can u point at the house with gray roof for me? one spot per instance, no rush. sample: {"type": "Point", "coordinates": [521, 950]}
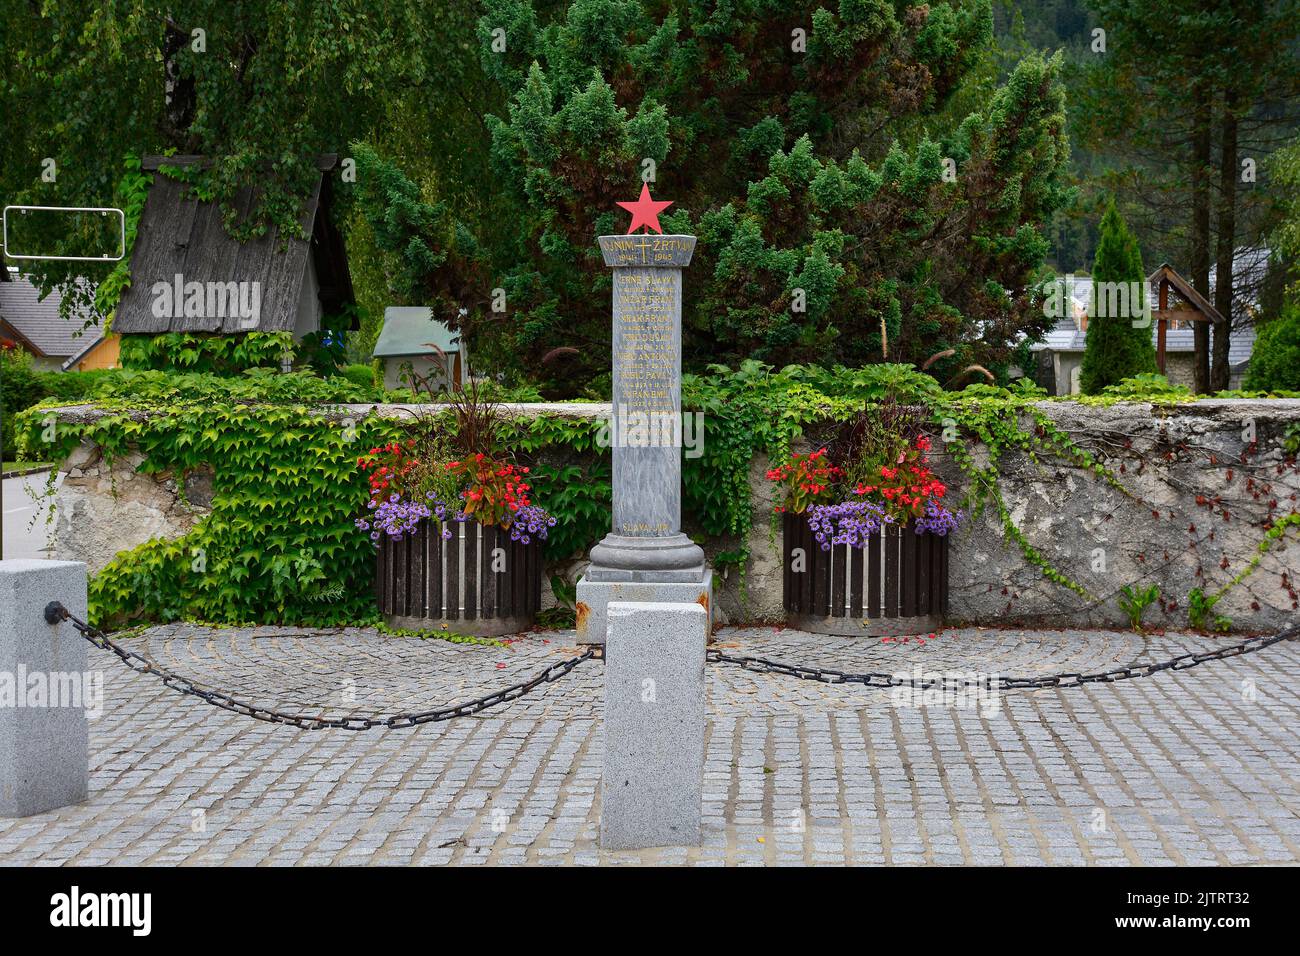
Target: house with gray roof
{"type": "Point", "coordinates": [413, 340]}
{"type": "Point", "coordinates": [1059, 356]}
{"type": "Point", "coordinates": [188, 274]}
{"type": "Point", "coordinates": [36, 325]}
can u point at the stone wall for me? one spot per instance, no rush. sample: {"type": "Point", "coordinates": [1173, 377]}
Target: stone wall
{"type": "Point", "coordinates": [105, 507]}
{"type": "Point", "coordinates": [1192, 517]}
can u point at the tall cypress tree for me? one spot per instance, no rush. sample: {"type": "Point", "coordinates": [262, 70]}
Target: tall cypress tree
{"type": "Point", "coordinates": [1116, 349]}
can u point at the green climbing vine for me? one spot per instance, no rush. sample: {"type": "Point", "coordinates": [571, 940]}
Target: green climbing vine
{"type": "Point", "coordinates": [1200, 605]}
{"type": "Point", "coordinates": [196, 352]}
{"type": "Point", "coordinates": [280, 545]}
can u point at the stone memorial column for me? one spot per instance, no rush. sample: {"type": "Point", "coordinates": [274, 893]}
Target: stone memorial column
{"type": "Point", "coordinates": [645, 557]}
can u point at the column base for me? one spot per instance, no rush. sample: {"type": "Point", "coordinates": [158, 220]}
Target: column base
{"type": "Point", "coordinates": [594, 597]}
{"type": "Point", "coordinates": [670, 559]}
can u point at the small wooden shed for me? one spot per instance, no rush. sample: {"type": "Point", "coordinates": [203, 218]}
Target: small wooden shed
{"type": "Point", "coordinates": [188, 274]}
{"type": "Point", "coordinates": [1193, 308]}
{"type": "Point", "coordinates": [413, 340]}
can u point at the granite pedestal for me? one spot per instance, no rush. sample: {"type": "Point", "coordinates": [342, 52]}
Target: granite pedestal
{"type": "Point", "coordinates": [44, 740]}
{"type": "Point", "coordinates": [652, 783]}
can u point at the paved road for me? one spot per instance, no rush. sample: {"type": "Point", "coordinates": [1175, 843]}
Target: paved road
{"type": "Point", "coordinates": [21, 503]}
{"type": "Point", "coordinates": [1188, 767]}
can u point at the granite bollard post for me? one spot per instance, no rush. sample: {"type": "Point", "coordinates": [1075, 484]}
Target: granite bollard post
{"type": "Point", "coordinates": [645, 557]}
{"type": "Point", "coordinates": [44, 689]}
{"type": "Point", "coordinates": [652, 783]}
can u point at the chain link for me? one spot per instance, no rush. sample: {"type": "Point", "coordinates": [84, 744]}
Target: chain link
{"type": "Point", "coordinates": [827, 675]}
{"type": "Point", "coordinates": [56, 612]}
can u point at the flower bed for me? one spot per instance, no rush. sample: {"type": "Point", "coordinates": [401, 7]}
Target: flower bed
{"type": "Point", "coordinates": [865, 542]}
{"type": "Point", "coordinates": [469, 577]}
{"type": "Point", "coordinates": [458, 538]}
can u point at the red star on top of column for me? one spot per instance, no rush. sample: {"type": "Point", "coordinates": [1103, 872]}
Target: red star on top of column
{"type": "Point", "coordinates": [645, 211]}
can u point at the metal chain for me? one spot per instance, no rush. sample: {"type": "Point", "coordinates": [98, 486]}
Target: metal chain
{"type": "Point", "coordinates": [56, 612]}
{"type": "Point", "coordinates": [827, 675]}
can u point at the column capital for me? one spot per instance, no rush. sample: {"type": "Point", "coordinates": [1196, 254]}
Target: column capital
{"type": "Point", "coordinates": [647, 251]}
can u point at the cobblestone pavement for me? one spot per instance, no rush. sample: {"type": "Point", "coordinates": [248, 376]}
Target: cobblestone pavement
{"type": "Point", "coordinates": [1190, 767]}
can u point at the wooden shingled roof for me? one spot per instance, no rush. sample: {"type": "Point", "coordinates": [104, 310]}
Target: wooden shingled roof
{"type": "Point", "coordinates": [1186, 290]}
{"type": "Point", "coordinates": [182, 236]}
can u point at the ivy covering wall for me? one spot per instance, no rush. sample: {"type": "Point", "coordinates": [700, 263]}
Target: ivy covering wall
{"type": "Point", "coordinates": [280, 544]}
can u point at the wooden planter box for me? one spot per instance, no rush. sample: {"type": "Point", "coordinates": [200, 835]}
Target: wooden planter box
{"type": "Point", "coordinates": [897, 585]}
{"type": "Point", "coordinates": [424, 581]}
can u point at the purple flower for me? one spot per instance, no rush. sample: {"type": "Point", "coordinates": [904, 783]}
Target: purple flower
{"type": "Point", "coordinates": [855, 522]}
{"type": "Point", "coordinates": [938, 519]}
{"type": "Point", "coordinates": [850, 522]}
{"type": "Point", "coordinates": [397, 518]}
{"type": "Point", "coordinates": [528, 522]}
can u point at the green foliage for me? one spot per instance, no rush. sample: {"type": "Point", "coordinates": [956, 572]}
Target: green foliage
{"type": "Point", "coordinates": [285, 497]}
{"type": "Point", "coordinates": [779, 164]}
{"type": "Point", "coordinates": [1284, 170]}
{"type": "Point", "coordinates": [1134, 601]}
{"type": "Point", "coordinates": [198, 352]}
{"type": "Point", "coordinates": [21, 386]}
{"type": "Point", "coordinates": [280, 544]}
{"type": "Point", "coordinates": [443, 633]}
{"type": "Point", "coordinates": [1146, 387]}
{"type": "Point", "coordinates": [362, 375]}
{"type": "Point", "coordinates": [158, 387]}
{"type": "Point", "coordinates": [570, 476]}
{"type": "Point", "coordinates": [1186, 92]}
{"type": "Point", "coordinates": [1200, 608]}
{"type": "Point", "coordinates": [269, 89]}
{"type": "Point", "coordinates": [1272, 536]}
{"type": "Point", "coordinates": [1291, 438]}
{"type": "Point", "coordinates": [1115, 349]}
{"type": "Point", "coordinates": [131, 193]}
{"type": "Point", "coordinates": [1275, 358]}
{"type": "Point", "coordinates": [564, 614]}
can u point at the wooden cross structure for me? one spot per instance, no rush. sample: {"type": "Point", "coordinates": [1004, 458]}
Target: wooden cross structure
{"type": "Point", "coordinates": [1195, 308]}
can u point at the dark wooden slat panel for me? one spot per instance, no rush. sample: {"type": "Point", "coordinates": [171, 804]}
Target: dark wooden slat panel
{"type": "Point", "coordinates": [502, 578]}
{"type": "Point", "coordinates": [937, 585]}
{"type": "Point", "coordinates": [400, 579]}
{"type": "Point", "coordinates": [924, 550]}
{"type": "Point", "coordinates": [809, 572]}
{"type": "Point", "coordinates": [418, 568]}
{"type": "Point", "coordinates": [537, 577]}
{"type": "Point", "coordinates": [857, 562]}
{"type": "Point", "coordinates": [381, 574]}
{"type": "Point", "coordinates": [840, 570]}
{"type": "Point", "coordinates": [875, 551]}
{"type": "Point", "coordinates": [788, 544]}
{"type": "Point", "coordinates": [891, 572]}
{"type": "Point", "coordinates": [517, 578]}
{"type": "Point", "coordinates": [451, 609]}
{"type": "Point", "coordinates": [487, 580]}
{"type": "Point", "coordinates": [821, 582]}
{"type": "Point", "coordinates": [471, 571]}
{"type": "Point", "coordinates": [943, 575]}
{"type": "Point", "coordinates": [434, 588]}
{"type": "Point", "coordinates": [390, 585]}
{"type": "Point", "coordinates": [907, 573]}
